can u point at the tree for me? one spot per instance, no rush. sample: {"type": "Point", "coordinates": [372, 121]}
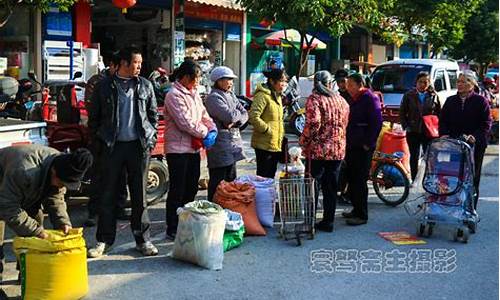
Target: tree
{"type": "Point", "coordinates": [309, 16]}
{"type": "Point", "coordinates": [480, 43]}
{"type": "Point", "coordinates": [440, 22]}
{"type": "Point", "coordinates": [7, 7]}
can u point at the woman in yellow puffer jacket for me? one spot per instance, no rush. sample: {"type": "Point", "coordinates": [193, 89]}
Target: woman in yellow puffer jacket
{"type": "Point", "coordinates": [266, 116]}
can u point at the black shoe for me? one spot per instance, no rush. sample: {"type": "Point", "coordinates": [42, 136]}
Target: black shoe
{"type": "Point", "coordinates": [324, 226]}
{"type": "Point", "coordinates": [348, 214]}
{"type": "Point", "coordinates": [124, 214]}
{"type": "Point", "coordinates": [356, 221]}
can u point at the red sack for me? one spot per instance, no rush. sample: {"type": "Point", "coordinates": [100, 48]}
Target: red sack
{"type": "Point", "coordinates": [240, 198]}
{"type": "Point", "coordinates": [431, 126]}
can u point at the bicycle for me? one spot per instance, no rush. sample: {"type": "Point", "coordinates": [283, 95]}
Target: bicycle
{"type": "Point", "coordinates": [391, 180]}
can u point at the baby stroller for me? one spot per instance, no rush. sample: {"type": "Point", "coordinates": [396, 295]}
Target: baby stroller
{"type": "Point", "coordinates": [448, 189]}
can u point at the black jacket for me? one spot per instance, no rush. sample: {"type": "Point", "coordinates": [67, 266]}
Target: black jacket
{"type": "Point", "coordinates": [412, 110]}
{"type": "Point", "coordinates": [104, 117]}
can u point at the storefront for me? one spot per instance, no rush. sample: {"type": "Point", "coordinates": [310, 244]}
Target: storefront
{"type": "Point", "coordinates": [211, 34]}
{"type": "Point", "coordinates": [19, 43]}
{"type": "Point", "coordinates": [147, 25]}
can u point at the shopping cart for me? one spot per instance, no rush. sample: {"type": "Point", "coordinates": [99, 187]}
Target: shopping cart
{"type": "Point", "coordinates": [296, 205]}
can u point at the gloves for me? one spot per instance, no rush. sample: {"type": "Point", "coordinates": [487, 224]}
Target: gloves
{"type": "Point", "coordinates": [209, 140]}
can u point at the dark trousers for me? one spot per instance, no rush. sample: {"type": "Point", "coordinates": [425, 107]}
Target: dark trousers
{"type": "Point", "coordinates": [358, 162]}
{"type": "Point", "coordinates": [97, 183]}
{"type": "Point", "coordinates": [217, 175]}
{"type": "Point", "coordinates": [131, 157]}
{"type": "Point", "coordinates": [326, 176]}
{"type": "Point", "coordinates": [2, 254]}
{"type": "Point", "coordinates": [415, 140]}
{"type": "Point", "coordinates": [184, 171]}
{"type": "Point", "coordinates": [478, 164]}
{"type": "Point", "coordinates": [267, 162]}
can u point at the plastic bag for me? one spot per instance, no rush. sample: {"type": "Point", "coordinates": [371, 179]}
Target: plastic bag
{"type": "Point", "coordinates": [233, 239]}
{"type": "Point", "coordinates": [53, 268]}
{"type": "Point", "coordinates": [240, 197]}
{"type": "Point", "coordinates": [200, 234]}
{"type": "Point", "coordinates": [265, 197]}
{"type": "Point", "coordinates": [234, 220]}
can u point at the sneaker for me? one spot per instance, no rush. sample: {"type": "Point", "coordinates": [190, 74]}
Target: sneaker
{"type": "Point", "coordinates": [99, 250]}
{"type": "Point", "coordinates": [147, 249]}
{"type": "Point", "coordinates": [355, 221]}
{"type": "Point", "coordinates": [348, 214]}
{"type": "Point", "coordinates": [324, 226]}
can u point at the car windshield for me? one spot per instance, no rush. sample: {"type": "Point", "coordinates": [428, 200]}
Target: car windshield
{"type": "Point", "coordinates": [396, 78]}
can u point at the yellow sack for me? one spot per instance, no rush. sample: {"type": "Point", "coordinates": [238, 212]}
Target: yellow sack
{"type": "Point", "coordinates": [54, 268]}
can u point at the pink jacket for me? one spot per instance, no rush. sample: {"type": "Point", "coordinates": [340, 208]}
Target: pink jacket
{"type": "Point", "coordinates": [185, 117]}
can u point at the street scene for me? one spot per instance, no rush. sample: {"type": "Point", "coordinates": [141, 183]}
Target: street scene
{"type": "Point", "coordinates": [247, 149]}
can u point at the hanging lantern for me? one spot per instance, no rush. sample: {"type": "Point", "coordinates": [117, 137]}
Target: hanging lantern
{"type": "Point", "coordinates": [124, 4]}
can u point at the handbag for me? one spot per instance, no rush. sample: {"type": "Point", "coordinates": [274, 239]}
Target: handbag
{"type": "Point", "coordinates": [431, 126]}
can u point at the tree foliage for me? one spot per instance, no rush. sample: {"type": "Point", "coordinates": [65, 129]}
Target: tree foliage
{"type": "Point", "coordinates": [7, 7]}
{"type": "Point", "coordinates": [480, 43]}
{"type": "Point", "coordinates": [336, 17]}
{"type": "Point", "coordinates": [440, 22]}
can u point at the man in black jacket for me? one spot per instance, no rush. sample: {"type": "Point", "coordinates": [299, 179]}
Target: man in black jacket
{"type": "Point", "coordinates": [123, 123]}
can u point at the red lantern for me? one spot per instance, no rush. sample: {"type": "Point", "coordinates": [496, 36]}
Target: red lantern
{"type": "Point", "coordinates": [124, 4]}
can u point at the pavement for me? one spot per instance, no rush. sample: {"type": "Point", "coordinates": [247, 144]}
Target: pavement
{"type": "Point", "coordinates": [350, 263]}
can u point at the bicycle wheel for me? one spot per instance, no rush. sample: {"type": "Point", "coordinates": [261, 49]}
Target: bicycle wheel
{"type": "Point", "coordinates": [391, 184]}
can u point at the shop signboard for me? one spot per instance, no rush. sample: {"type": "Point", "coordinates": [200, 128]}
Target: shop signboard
{"type": "Point", "coordinates": [179, 36]}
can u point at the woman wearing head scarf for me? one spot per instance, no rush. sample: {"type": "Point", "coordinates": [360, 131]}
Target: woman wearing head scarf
{"type": "Point", "coordinates": [324, 140]}
{"type": "Point", "coordinates": [418, 102]}
{"type": "Point", "coordinates": [228, 114]}
{"type": "Point", "coordinates": [468, 113]}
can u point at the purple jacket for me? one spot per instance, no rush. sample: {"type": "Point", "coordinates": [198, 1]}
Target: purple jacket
{"type": "Point", "coordinates": [474, 118]}
{"type": "Point", "coordinates": [365, 121]}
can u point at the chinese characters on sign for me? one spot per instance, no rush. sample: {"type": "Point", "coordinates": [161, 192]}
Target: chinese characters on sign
{"type": "Point", "coordinates": [377, 261]}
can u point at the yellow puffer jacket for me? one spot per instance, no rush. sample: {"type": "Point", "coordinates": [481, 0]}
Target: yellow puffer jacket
{"type": "Point", "coordinates": [266, 116]}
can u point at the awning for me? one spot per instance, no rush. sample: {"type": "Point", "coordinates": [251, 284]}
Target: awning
{"type": "Point", "coordinates": [231, 4]}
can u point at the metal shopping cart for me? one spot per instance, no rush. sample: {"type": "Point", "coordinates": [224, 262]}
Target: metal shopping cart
{"type": "Point", "coordinates": [296, 205]}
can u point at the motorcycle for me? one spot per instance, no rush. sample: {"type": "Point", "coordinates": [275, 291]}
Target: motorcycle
{"type": "Point", "coordinates": [15, 98]}
{"type": "Point", "coordinates": [293, 112]}
{"type": "Point", "coordinates": [161, 84]}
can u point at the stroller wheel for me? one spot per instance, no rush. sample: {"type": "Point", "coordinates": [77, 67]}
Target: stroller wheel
{"type": "Point", "coordinates": [421, 229]}
{"type": "Point", "coordinates": [472, 227]}
{"type": "Point", "coordinates": [461, 234]}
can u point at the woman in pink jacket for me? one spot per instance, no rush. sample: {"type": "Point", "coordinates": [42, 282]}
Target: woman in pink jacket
{"type": "Point", "coordinates": [188, 128]}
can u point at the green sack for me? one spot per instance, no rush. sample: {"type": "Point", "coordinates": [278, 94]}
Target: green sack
{"type": "Point", "coordinates": [233, 239]}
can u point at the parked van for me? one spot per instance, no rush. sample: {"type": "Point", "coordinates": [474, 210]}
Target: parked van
{"type": "Point", "coordinates": [396, 77]}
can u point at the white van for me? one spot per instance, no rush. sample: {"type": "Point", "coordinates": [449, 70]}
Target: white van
{"type": "Point", "coordinates": [396, 77]}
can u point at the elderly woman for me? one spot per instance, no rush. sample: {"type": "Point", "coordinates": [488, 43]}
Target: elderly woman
{"type": "Point", "coordinates": [266, 116]}
{"type": "Point", "coordinates": [365, 122]}
{"type": "Point", "coordinates": [324, 140]}
{"type": "Point", "coordinates": [468, 113]}
{"type": "Point", "coordinates": [416, 103]}
{"type": "Point", "coordinates": [228, 114]}
{"type": "Point", "coordinates": [188, 128]}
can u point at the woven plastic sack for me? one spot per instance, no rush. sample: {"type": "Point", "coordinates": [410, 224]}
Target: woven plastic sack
{"type": "Point", "coordinates": [233, 239]}
{"type": "Point", "coordinates": [200, 233]}
{"type": "Point", "coordinates": [265, 197]}
{"type": "Point", "coordinates": [240, 197]}
{"type": "Point", "coordinates": [53, 268]}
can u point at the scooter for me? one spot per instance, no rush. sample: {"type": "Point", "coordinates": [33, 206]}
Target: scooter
{"type": "Point", "coordinates": [293, 113]}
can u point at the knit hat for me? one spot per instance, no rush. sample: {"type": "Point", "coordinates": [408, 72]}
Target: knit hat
{"type": "Point", "coordinates": [222, 72]}
{"type": "Point", "coordinates": [70, 168]}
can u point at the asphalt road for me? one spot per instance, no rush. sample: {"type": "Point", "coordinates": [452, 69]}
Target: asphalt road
{"type": "Point", "coordinates": [271, 268]}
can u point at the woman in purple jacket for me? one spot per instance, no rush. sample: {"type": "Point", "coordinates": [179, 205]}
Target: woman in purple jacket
{"type": "Point", "coordinates": [365, 122]}
{"type": "Point", "coordinates": [468, 113]}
